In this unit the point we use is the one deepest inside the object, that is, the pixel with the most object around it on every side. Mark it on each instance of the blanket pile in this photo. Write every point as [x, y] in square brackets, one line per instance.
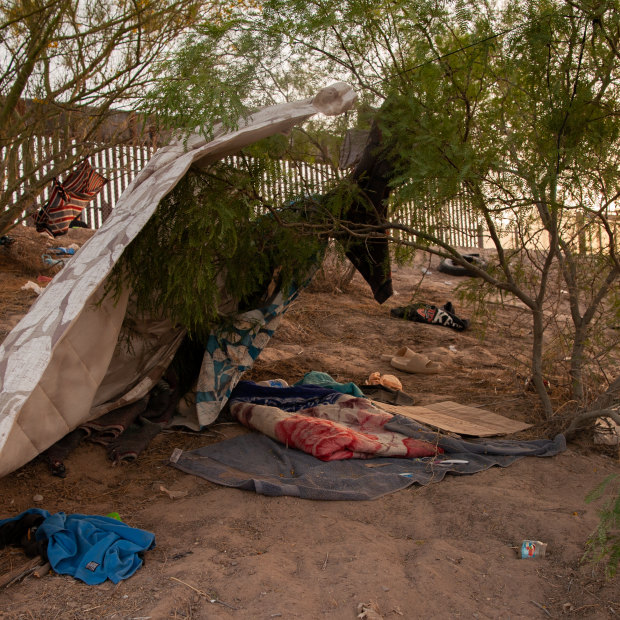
[323, 422]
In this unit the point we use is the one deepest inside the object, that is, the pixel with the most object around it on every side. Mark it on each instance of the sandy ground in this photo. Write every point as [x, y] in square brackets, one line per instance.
[446, 550]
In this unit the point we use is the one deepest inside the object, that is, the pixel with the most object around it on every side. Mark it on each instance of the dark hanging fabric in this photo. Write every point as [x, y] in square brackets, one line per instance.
[370, 253]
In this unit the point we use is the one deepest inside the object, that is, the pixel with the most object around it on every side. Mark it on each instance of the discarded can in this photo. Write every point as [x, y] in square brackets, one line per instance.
[532, 549]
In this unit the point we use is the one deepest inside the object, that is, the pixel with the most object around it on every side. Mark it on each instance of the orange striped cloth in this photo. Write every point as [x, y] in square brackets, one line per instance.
[68, 199]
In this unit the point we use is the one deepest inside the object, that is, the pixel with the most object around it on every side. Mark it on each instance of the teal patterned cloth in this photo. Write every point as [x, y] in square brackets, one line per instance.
[315, 377]
[233, 349]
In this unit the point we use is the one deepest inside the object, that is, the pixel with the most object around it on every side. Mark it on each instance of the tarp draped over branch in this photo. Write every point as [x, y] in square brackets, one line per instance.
[52, 363]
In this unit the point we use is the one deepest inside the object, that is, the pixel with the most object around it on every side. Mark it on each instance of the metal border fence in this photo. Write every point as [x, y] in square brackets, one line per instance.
[455, 224]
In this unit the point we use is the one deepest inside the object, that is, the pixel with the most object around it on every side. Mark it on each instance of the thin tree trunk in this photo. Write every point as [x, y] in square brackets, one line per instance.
[537, 355]
[576, 363]
[36, 46]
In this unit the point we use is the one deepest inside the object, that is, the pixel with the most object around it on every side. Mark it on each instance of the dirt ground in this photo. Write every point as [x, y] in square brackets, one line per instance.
[447, 550]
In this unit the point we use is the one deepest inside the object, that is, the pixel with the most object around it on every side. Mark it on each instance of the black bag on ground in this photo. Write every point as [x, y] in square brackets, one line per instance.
[432, 315]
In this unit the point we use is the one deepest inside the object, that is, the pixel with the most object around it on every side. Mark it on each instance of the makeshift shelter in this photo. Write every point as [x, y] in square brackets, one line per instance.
[60, 366]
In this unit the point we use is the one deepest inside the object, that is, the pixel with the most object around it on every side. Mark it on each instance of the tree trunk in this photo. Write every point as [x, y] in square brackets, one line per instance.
[537, 355]
[576, 364]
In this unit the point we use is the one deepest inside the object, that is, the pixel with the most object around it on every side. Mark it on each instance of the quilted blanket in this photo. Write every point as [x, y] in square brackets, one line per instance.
[325, 423]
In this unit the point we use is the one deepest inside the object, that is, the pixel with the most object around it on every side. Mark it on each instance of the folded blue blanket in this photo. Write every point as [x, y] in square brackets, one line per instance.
[286, 398]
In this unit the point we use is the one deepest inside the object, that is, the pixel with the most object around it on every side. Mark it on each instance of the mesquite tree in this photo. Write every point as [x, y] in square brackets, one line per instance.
[516, 109]
[65, 65]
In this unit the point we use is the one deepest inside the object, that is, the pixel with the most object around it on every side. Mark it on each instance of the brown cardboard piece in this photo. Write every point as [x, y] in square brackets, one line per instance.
[457, 418]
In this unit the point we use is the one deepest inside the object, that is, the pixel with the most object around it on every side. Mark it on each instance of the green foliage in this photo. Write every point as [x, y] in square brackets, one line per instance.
[211, 240]
[513, 108]
[203, 84]
[604, 543]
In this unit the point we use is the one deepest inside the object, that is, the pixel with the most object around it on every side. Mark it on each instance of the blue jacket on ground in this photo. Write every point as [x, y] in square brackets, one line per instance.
[90, 547]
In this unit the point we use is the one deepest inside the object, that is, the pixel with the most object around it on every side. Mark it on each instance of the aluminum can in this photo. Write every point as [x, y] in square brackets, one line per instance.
[532, 549]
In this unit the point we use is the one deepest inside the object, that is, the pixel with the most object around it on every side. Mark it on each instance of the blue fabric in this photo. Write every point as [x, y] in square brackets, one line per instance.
[37, 511]
[286, 398]
[90, 547]
[314, 377]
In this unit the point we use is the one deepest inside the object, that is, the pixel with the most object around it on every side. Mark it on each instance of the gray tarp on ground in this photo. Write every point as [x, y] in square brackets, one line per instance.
[257, 463]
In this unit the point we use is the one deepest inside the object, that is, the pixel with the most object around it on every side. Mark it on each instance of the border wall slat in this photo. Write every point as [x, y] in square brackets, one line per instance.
[462, 220]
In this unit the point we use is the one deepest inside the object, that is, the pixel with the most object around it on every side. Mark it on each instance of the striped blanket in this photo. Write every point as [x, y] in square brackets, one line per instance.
[68, 199]
[325, 423]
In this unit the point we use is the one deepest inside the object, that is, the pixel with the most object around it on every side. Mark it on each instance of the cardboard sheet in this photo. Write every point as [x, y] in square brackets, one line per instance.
[457, 418]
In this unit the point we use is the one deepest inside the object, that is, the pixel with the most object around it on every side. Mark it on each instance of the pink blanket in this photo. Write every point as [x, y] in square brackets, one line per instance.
[350, 428]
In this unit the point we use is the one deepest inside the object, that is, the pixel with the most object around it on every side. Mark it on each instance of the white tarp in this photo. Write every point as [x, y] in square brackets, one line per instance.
[53, 362]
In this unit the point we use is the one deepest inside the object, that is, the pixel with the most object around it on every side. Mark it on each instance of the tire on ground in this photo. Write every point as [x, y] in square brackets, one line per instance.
[452, 268]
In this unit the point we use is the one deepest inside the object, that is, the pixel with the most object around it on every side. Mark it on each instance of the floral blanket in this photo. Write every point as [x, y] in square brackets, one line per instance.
[323, 422]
